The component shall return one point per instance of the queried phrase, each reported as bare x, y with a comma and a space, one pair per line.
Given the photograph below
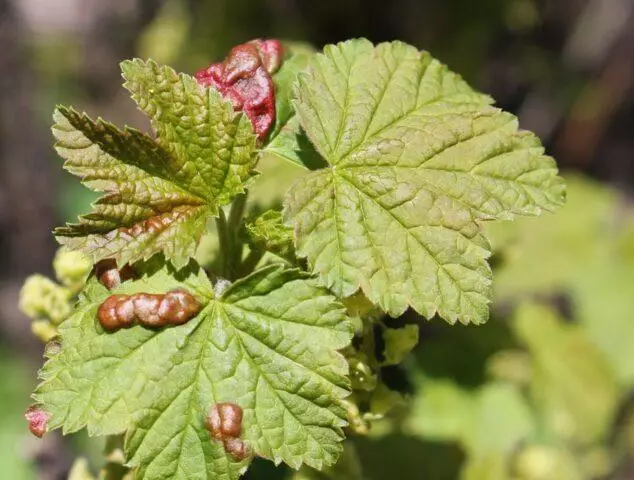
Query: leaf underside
416, 160
159, 194
269, 344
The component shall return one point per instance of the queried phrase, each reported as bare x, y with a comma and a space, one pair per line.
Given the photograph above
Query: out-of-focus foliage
538, 393
48, 303
585, 253
14, 391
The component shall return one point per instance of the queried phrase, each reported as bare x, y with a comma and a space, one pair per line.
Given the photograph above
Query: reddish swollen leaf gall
224, 422
237, 448
271, 52
148, 309
111, 277
38, 420
244, 77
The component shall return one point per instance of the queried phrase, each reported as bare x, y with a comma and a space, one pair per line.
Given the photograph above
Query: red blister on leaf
244, 77
110, 276
38, 420
148, 309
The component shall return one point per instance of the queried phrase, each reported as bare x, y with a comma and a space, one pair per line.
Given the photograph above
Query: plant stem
237, 211
224, 243
253, 258
228, 238
235, 220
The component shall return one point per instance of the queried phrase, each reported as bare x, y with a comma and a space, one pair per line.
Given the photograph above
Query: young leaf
159, 194
287, 140
416, 158
268, 232
267, 344
399, 342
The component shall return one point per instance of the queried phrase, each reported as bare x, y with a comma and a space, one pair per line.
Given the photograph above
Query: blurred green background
545, 390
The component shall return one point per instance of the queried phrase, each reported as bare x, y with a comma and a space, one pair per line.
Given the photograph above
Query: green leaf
292, 145
502, 419
541, 462
287, 140
297, 59
416, 160
492, 465
348, 467
267, 189
443, 411
160, 193
581, 256
214, 145
268, 343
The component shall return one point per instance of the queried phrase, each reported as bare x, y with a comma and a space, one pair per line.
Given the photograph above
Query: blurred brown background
566, 67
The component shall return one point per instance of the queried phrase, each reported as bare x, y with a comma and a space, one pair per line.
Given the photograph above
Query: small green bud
40, 298
71, 267
361, 375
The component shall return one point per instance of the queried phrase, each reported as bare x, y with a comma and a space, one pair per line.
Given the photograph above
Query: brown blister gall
237, 448
224, 421
124, 311
111, 277
148, 309
107, 312
146, 306
151, 225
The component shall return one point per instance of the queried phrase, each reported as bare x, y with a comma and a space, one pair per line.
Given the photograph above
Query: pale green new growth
399, 342
287, 140
159, 193
416, 160
269, 344
268, 232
